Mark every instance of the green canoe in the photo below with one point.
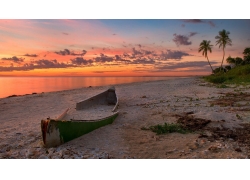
(88, 115)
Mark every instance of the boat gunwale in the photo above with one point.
(111, 88)
(82, 120)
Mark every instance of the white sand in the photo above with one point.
(140, 104)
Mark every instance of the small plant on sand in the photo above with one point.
(144, 128)
(167, 128)
(238, 116)
(222, 86)
(238, 105)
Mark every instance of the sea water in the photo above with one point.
(27, 85)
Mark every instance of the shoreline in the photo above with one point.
(27, 94)
(141, 104)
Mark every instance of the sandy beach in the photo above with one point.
(142, 104)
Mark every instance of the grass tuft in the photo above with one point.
(167, 128)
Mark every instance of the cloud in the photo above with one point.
(135, 52)
(14, 59)
(124, 61)
(172, 54)
(79, 54)
(193, 21)
(192, 34)
(65, 33)
(105, 71)
(30, 55)
(103, 58)
(138, 53)
(118, 57)
(190, 64)
(125, 55)
(43, 63)
(68, 52)
(143, 61)
(197, 21)
(211, 23)
(81, 61)
(39, 64)
(146, 52)
(181, 40)
(101, 72)
(140, 57)
(64, 52)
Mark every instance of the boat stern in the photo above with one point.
(50, 133)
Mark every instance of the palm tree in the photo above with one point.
(223, 40)
(235, 61)
(205, 46)
(230, 60)
(246, 53)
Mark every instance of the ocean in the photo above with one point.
(27, 85)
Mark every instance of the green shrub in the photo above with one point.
(217, 79)
(237, 75)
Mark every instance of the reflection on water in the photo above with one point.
(27, 85)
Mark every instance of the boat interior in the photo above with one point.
(94, 108)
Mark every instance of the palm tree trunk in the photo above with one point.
(210, 65)
(223, 58)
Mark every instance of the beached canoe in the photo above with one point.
(88, 115)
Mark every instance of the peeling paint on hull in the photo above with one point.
(59, 132)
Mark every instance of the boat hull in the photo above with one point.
(56, 132)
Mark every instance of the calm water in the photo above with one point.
(27, 85)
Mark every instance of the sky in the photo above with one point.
(115, 47)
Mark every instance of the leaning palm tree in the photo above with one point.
(205, 46)
(223, 40)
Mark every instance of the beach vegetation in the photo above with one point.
(237, 72)
(238, 116)
(222, 86)
(206, 47)
(237, 75)
(167, 128)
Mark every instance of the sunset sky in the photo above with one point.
(115, 47)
